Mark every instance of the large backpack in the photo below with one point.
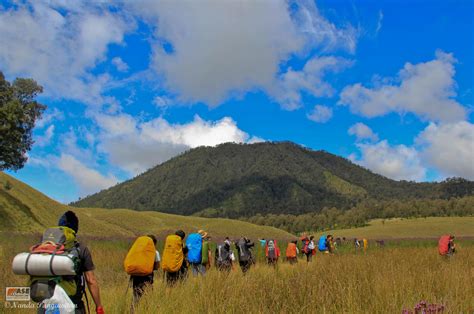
(194, 244)
(205, 253)
(271, 251)
(173, 256)
(54, 261)
(322, 245)
(291, 250)
(244, 252)
(305, 245)
(222, 255)
(141, 257)
(443, 245)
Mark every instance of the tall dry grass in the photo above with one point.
(380, 281)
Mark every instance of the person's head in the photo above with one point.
(70, 220)
(180, 233)
(294, 241)
(329, 236)
(203, 234)
(311, 237)
(153, 238)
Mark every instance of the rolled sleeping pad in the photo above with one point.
(43, 265)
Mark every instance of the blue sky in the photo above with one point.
(128, 85)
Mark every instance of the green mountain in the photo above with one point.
(242, 180)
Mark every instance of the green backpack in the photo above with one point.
(205, 252)
(57, 241)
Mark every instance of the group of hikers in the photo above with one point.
(60, 267)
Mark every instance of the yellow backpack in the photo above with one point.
(173, 256)
(141, 257)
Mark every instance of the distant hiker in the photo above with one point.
(330, 243)
(356, 243)
(380, 243)
(174, 263)
(292, 252)
(244, 252)
(206, 251)
(140, 263)
(323, 244)
(224, 256)
(446, 246)
(263, 242)
(365, 244)
(307, 247)
(196, 252)
(71, 258)
(272, 252)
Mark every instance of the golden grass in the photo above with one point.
(410, 228)
(381, 281)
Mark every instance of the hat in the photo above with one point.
(69, 219)
(203, 233)
(180, 233)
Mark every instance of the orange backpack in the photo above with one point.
(173, 256)
(141, 257)
(443, 245)
(291, 250)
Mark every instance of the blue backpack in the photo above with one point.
(322, 244)
(194, 244)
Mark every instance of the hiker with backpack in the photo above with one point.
(272, 252)
(174, 264)
(446, 246)
(60, 253)
(198, 252)
(224, 256)
(308, 248)
(323, 244)
(244, 251)
(140, 263)
(292, 252)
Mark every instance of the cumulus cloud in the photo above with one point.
(425, 89)
(59, 44)
(287, 91)
(362, 132)
(120, 64)
(397, 162)
(136, 146)
(211, 50)
(449, 148)
(88, 180)
(320, 114)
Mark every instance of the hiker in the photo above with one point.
(140, 263)
(263, 242)
(308, 248)
(446, 246)
(323, 244)
(365, 244)
(272, 252)
(224, 256)
(206, 251)
(174, 263)
(244, 252)
(292, 252)
(64, 237)
(194, 243)
(330, 243)
(356, 243)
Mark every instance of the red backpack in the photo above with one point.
(443, 244)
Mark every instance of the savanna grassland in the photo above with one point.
(382, 280)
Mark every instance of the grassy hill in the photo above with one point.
(410, 228)
(24, 209)
(242, 180)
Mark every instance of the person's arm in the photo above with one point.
(94, 290)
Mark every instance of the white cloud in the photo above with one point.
(162, 101)
(449, 148)
(120, 64)
(88, 180)
(362, 132)
(425, 89)
(290, 85)
(222, 49)
(320, 114)
(48, 117)
(397, 162)
(58, 44)
(379, 23)
(45, 139)
(136, 146)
